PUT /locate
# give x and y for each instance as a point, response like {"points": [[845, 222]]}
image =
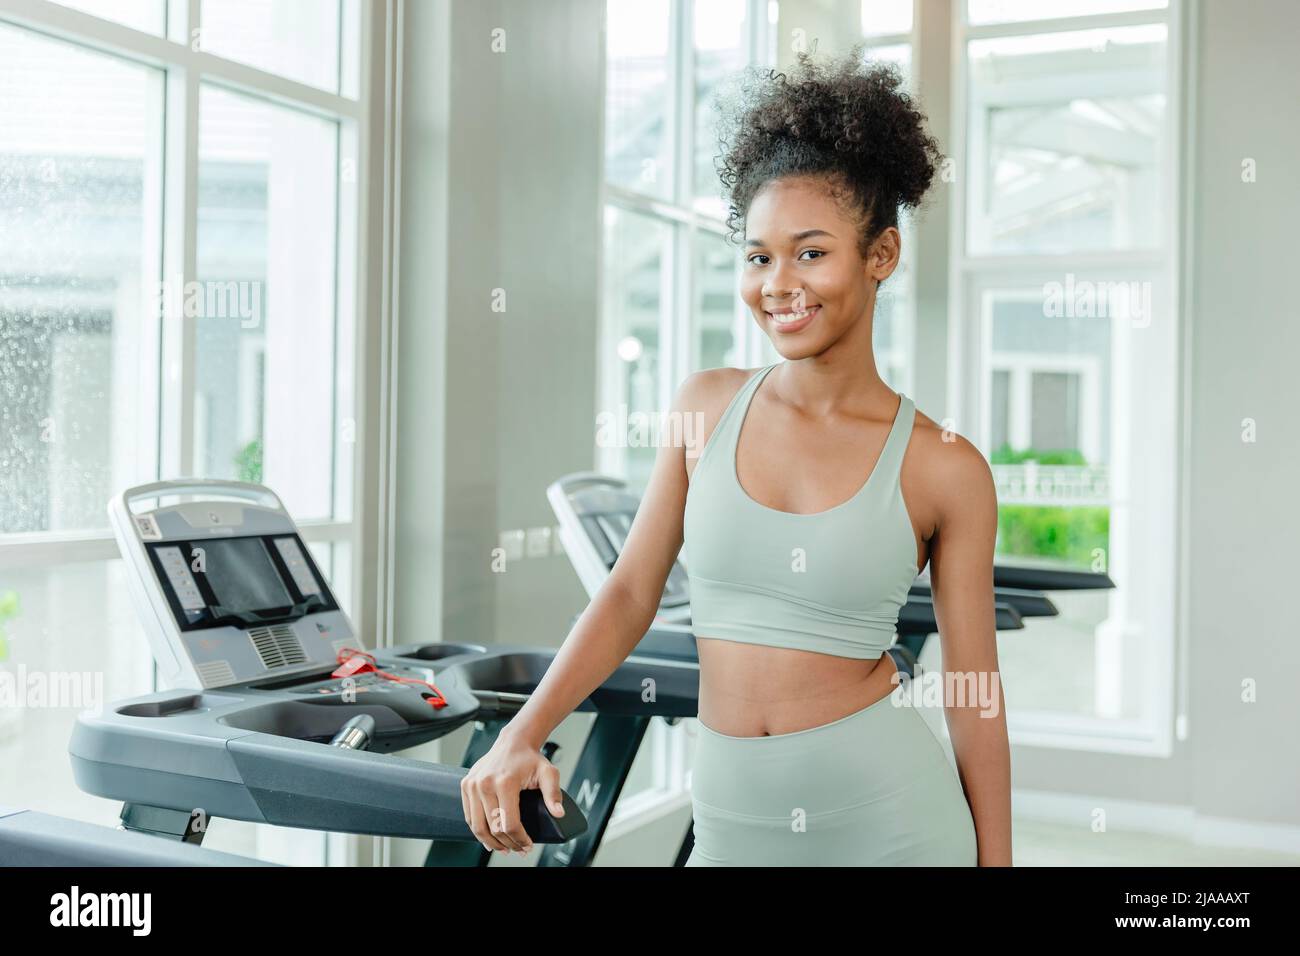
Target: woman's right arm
{"points": [[601, 639]]}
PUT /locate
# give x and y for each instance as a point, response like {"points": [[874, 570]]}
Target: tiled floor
{"points": [[1049, 844]]}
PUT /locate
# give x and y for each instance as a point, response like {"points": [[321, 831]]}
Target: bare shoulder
{"points": [[953, 472], [711, 389], [704, 396]]}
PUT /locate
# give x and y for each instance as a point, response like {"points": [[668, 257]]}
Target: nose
{"points": [[776, 286], [780, 293]]}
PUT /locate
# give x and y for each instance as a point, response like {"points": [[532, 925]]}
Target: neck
{"points": [[843, 377]]}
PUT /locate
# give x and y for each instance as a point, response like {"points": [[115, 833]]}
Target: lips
{"points": [[791, 322]]}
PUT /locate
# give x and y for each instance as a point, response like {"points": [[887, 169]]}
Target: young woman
{"points": [[817, 496]]}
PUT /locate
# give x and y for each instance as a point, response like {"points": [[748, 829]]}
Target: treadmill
{"points": [[279, 716], [595, 514]]}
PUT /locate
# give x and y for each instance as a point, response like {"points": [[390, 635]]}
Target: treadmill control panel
{"points": [[246, 581], [183, 585]]}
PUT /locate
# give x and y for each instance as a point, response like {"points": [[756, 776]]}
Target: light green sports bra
{"points": [[831, 582]]}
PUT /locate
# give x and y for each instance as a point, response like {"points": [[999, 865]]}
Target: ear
{"points": [[883, 257]]}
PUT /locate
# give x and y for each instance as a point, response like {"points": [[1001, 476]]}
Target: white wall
{"points": [[495, 405]]}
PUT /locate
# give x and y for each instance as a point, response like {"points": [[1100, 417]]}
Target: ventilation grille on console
{"points": [[216, 673], [277, 646]]}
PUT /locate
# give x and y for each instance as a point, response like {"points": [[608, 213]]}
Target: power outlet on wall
{"points": [[511, 544], [539, 542]]}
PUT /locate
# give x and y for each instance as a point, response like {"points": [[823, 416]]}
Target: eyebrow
{"points": [[795, 236]]}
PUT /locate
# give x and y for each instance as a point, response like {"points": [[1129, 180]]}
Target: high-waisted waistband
{"points": [[873, 788], [864, 756]]}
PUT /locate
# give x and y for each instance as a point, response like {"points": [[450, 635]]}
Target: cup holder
{"points": [[190, 703], [438, 652]]}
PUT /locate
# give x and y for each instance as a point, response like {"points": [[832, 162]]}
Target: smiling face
{"points": [[804, 277]]}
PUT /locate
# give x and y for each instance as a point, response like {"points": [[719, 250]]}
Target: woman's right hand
{"points": [[490, 792]]}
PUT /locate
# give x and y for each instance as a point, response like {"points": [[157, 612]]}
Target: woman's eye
{"points": [[753, 259]]}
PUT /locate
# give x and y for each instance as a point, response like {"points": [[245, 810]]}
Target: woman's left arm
{"points": [[961, 581]]}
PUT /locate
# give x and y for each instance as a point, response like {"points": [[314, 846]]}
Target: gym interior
{"points": [[372, 295]]}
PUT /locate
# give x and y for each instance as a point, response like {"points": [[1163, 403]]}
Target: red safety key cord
{"points": [[353, 661]]}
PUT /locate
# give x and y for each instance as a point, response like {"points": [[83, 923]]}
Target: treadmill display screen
{"points": [[242, 576], [245, 581]]}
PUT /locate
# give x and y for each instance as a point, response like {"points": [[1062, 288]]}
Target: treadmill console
{"points": [[225, 586]]}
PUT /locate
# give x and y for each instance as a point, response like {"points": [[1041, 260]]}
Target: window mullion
{"points": [[681, 315], [180, 261]]}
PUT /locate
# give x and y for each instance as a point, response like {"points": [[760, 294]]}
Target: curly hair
{"points": [[847, 121]]}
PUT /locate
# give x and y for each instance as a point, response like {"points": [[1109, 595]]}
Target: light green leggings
{"points": [[874, 788]]}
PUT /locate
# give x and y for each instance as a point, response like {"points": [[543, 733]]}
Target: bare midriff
{"points": [[753, 690]]}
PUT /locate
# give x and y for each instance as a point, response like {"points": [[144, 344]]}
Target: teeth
{"points": [[792, 316]]}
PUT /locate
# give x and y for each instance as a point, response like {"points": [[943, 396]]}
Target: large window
{"points": [[178, 254], [1067, 345], [669, 305]]}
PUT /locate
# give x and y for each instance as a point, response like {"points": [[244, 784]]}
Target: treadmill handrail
{"points": [[301, 783], [257, 494]]}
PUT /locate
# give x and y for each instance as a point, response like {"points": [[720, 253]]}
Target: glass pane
{"points": [[264, 401], [1012, 11], [1049, 384], [720, 29], [148, 15], [73, 628], [80, 231], [1048, 431], [716, 301], [999, 409], [1065, 141], [1055, 422], [1056, 664], [880, 17], [634, 257], [637, 109], [297, 39]]}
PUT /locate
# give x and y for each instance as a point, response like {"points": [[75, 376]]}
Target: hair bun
{"points": [[846, 117]]}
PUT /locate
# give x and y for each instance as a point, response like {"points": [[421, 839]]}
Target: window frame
{"points": [[1164, 267], [185, 68]]}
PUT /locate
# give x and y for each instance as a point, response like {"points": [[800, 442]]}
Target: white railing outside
{"points": [[1031, 483]]}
